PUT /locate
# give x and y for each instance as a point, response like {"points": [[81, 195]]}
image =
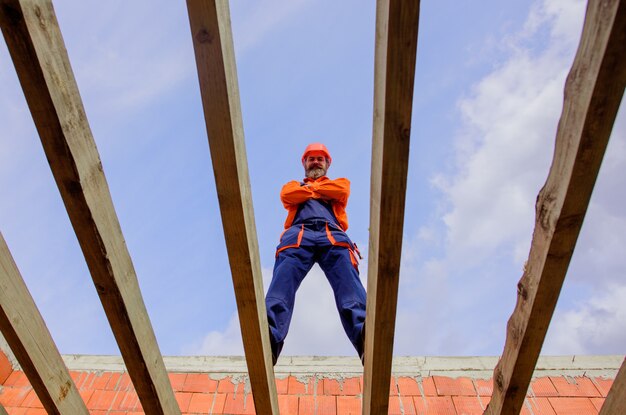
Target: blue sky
{"points": [[488, 94]]}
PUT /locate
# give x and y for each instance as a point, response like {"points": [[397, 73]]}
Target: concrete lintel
{"points": [[467, 366]]}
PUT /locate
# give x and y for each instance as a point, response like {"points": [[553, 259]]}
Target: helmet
{"points": [[317, 147]]}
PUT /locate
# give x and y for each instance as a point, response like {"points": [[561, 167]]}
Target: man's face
{"points": [[315, 166]]}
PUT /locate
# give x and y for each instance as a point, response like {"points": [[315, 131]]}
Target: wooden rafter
{"points": [[34, 40], [3, 411], [593, 92], [26, 333], [394, 74], [615, 402], [217, 73]]}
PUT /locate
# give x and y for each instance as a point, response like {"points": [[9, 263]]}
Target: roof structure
{"points": [[593, 93], [565, 385]]}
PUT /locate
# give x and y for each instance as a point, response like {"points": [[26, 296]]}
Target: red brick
{"points": [[36, 411], [86, 381], [226, 385], [344, 387], [401, 406], [200, 383], [484, 387], [101, 400], [348, 405], [200, 403], [32, 401], [288, 404], [113, 381], [434, 405], [86, 394], [428, 386], [6, 368], [16, 411], [177, 380], [454, 386], [468, 405], [573, 406], [219, 401], [183, 399], [320, 405], [239, 403], [575, 386], [295, 387], [597, 403], [282, 386], [126, 401], [408, 386], [537, 406], [125, 383], [17, 379], [13, 396], [603, 385], [542, 387], [100, 382]]}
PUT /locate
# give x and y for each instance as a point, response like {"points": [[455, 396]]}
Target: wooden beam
{"points": [[34, 40], [26, 333], [217, 73], [615, 402], [394, 74], [593, 92]]}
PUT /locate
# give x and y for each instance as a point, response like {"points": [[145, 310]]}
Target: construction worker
{"points": [[315, 232]]}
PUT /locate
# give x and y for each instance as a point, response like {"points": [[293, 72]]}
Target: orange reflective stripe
{"points": [[333, 241], [296, 245]]}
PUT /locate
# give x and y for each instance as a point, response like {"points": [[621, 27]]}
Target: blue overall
{"points": [[314, 237]]}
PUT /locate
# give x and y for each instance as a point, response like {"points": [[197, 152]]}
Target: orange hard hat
{"points": [[317, 148]]}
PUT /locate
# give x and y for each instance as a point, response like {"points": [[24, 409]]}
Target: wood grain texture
{"points": [[593, 92], [34, 40], [26, 333], [394, 74], [615, 402], [217, 73]]}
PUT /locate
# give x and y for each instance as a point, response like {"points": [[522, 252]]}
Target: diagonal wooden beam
{"points": [[34, 40], [593, 92], [26, 333], [615, 402], [3, 411], [217, 73], [394, 74]]}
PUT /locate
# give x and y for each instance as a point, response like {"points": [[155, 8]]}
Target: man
{"points": [[315, 232]]}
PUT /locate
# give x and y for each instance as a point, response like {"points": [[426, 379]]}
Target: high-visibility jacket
{"points": [[331, 193]]}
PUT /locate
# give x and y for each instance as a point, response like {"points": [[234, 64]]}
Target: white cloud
{"points": [[219, 343], [599, 323], [315, 326], [502, 155]]}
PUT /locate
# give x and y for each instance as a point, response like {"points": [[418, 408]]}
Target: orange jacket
{"points": [[334, 191]]}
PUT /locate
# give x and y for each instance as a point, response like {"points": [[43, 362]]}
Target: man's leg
{"points": [[290, 268], [350, 296]]}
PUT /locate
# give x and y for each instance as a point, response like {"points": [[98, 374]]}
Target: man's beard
{"points": [[315, 173]]}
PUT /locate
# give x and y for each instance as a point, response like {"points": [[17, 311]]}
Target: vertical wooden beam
{"points": [[34, 40], [615, 402], [217, 73], [593, 92], [26, 333], [394, 74]]}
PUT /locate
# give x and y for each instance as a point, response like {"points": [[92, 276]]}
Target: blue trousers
{"points": [[292, 265]]}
